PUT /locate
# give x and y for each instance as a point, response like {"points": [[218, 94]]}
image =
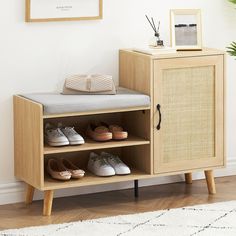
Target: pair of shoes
{"points": [[107, 164], [61, 136], [62, 169], [103, 132]]}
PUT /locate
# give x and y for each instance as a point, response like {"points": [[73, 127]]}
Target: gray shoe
{"points": [[54, 136], [73, 137], [119, 166], [99, 166]]}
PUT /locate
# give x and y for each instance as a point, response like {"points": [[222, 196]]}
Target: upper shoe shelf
{"points": [[56, 105]]}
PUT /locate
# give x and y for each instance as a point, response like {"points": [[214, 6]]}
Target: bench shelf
{"points": [[32, 153]]}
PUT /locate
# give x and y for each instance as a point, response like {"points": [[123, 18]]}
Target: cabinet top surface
{"points": [[179, 54]]}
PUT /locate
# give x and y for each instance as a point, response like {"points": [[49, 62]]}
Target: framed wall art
{"points": [[186, 29], [63, 10]]}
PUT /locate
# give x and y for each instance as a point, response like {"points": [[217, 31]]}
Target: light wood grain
{"points": [[27, 10], [93, 145], [219, 111], [28, 17], [135, 72], [29, 194], [188, 178], [28, 141], [210, 181], [47, 203], [132, 122], [139, 158], [91, 179], [180, 54]]}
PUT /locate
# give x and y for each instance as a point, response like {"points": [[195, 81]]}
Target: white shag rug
{"points": [[217, 219]]}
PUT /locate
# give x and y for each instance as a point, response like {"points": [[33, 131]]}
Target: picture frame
{"points": [[63, 10], [186, 29]]}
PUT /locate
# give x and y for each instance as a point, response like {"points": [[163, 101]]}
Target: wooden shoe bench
{"points": [[181, 131]]}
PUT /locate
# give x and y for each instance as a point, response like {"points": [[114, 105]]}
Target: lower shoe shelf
{"points": [[90, 179]]}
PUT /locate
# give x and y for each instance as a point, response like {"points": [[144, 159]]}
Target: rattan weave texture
{"points": [[188, 109]]}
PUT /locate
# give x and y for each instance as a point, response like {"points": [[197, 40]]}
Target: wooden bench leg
{"points": [[210, 181], [188, 178], [47, 204], [29, 194]]}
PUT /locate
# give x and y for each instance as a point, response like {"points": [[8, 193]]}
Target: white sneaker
{"points": [[73, 137], [54, 136], [99, 166], [119, 166]]}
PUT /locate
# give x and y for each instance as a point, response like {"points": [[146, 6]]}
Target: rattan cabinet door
{"points": [[188, 114]]}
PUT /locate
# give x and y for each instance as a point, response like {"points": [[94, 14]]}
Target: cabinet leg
{"points": [[188, 178], [210, 181], [29, 194], [47, 204], [136, 188]]}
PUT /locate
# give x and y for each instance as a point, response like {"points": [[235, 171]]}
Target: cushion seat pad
{"points": [[56, 103]]}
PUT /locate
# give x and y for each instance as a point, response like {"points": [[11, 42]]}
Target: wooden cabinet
{"points": [[181, 132], [187, 92]]}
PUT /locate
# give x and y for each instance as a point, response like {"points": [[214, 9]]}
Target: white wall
{"points": [[37, 56]]}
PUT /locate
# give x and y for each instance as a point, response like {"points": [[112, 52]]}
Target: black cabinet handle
{"points": [[159, 110]]}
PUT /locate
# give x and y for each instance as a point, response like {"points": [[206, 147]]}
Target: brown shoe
{"points": [[75, 171], [57, 171], [99, 133], [117, 131]]}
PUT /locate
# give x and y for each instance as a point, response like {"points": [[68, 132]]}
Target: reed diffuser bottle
{"points": [[155, 41]]}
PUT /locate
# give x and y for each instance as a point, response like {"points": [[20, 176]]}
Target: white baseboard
{"points": [[11, 193], [14, 192]]}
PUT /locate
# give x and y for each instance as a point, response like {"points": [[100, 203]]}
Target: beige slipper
{"points": [[99, 133], [75, 171], [56, 171], [117, 131]]}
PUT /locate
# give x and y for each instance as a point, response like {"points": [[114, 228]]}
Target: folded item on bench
{"points": [[89, 84]]}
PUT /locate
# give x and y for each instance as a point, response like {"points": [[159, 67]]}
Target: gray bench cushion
{"points": [[56, 103]]}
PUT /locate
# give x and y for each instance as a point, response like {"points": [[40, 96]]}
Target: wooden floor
{"points": [[115, 203]]}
